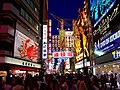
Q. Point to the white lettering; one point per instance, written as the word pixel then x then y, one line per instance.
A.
pixel 99 45
pixel 104 25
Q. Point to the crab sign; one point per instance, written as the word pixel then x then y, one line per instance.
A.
pixel 28 50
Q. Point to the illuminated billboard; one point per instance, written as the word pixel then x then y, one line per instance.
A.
pixel 99 8
pixel 111 56
pixel 80 42
pixel 62 54
pixel 25 48
pixel 50 37
pixel 44 50
pixel 107 32
pixel 116 54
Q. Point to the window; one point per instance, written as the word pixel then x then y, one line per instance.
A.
pixel 32 5
pixel 30 20
pixel 7 21
pixel 37 26
pixel 26 16
pixel 22 12
pixel 29 1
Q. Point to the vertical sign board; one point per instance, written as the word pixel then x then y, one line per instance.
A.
pixel 44 51
pixel 49 40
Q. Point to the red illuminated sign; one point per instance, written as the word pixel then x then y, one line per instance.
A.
pixel 25 47
pixel 27 50
pixel 67 54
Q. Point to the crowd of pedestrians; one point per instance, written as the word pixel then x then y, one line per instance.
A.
pixel 60 82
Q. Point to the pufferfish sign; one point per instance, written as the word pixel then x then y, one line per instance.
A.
pixel 25 47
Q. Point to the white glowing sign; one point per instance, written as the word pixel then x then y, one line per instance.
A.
pixel 44 53
pixel 100 45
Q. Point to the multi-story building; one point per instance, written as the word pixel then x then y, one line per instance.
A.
pixel 19 26
pixel 81 42
pixel 106 35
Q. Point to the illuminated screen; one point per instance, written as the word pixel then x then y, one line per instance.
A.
pixel 111 42
pixel 99 8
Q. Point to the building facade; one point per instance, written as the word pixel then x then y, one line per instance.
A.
pixel 106 28
pixel 19 35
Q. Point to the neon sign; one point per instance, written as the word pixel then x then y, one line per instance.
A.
pixel 104 24
pixel 66 54
pixel 99 8
pixel 116 54
pixel 44 54
pixel 100 45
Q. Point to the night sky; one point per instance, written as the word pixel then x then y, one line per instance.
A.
pixel 65 9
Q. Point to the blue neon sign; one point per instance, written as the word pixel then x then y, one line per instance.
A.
pixel 99 8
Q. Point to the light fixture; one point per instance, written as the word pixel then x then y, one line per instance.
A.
pixel 98 53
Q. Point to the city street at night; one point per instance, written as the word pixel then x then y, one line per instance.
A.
pixel 59 44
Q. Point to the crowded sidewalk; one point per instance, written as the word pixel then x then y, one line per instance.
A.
pixel 62 82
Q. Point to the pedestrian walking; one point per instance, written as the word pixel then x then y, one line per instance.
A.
pixel 81 85
pixel 18 85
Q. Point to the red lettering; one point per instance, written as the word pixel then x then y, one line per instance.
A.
pixel 69 54
pixel 62 54
pixel 56 54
